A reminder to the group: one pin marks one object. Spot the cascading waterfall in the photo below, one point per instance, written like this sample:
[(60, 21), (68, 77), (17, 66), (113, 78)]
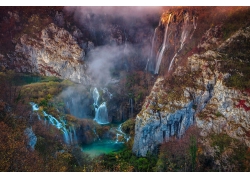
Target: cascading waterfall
[(184, 35), (72, 135), (69, 135), (97, 136), (34, 106), (159, 57), (101, 116), (105, 90), (101, 112), (119, 133)]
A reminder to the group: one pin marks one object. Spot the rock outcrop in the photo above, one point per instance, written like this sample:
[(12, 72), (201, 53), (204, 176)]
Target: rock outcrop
[(199, 95), (55, 53)]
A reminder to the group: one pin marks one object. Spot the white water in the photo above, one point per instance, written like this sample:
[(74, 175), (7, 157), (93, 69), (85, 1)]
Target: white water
[(152, 48), (121, 133), (96, 97), (34, 106), (195, 26), (101, 116), (101, 112), (69, 135), (97, 136), (159, 58), (172, 61), (184, 35), (105, 90)]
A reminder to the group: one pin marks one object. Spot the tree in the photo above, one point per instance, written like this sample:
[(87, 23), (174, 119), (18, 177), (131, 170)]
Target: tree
[(193, 151)]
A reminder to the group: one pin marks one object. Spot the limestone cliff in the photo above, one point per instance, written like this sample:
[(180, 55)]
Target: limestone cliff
[(47, 47), (54, 53), (199, 94)]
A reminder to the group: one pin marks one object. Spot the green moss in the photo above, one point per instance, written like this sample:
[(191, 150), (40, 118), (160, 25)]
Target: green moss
[(129, 126), (218, 114)]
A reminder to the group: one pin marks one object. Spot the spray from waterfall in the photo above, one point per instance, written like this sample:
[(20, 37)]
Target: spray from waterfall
[(159, 57)]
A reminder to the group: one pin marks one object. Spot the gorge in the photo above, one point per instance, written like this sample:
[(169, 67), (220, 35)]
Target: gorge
[(102, 89)]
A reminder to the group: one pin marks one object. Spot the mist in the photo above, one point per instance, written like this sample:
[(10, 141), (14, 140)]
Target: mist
[(104, 61), (127, 12), (121, 35), (77, 100)]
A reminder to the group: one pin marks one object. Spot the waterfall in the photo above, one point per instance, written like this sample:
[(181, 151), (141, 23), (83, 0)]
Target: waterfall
[(75, 136), (95, 97), (119, 132), (101, 116), (69, 135), (172, 61), (131, 107), (94, 130), (72, 134), (101, 112), (195, 26), (146, 68), (152, 47), (34, 106), (159, 57), (184, 35), (106, 91)]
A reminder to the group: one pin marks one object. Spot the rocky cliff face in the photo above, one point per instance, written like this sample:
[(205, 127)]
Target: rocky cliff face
[(175, 29), (155, 125), (199, 94), (49, 46), (55, 53)]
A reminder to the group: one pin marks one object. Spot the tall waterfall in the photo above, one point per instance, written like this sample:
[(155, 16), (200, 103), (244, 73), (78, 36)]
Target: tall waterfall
[(101, 112), (195, 25), (152, 49), (159, 57), (184, 35), (69, 133)]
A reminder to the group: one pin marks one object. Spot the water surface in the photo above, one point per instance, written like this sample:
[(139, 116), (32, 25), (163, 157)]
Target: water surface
[(102, 147)]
